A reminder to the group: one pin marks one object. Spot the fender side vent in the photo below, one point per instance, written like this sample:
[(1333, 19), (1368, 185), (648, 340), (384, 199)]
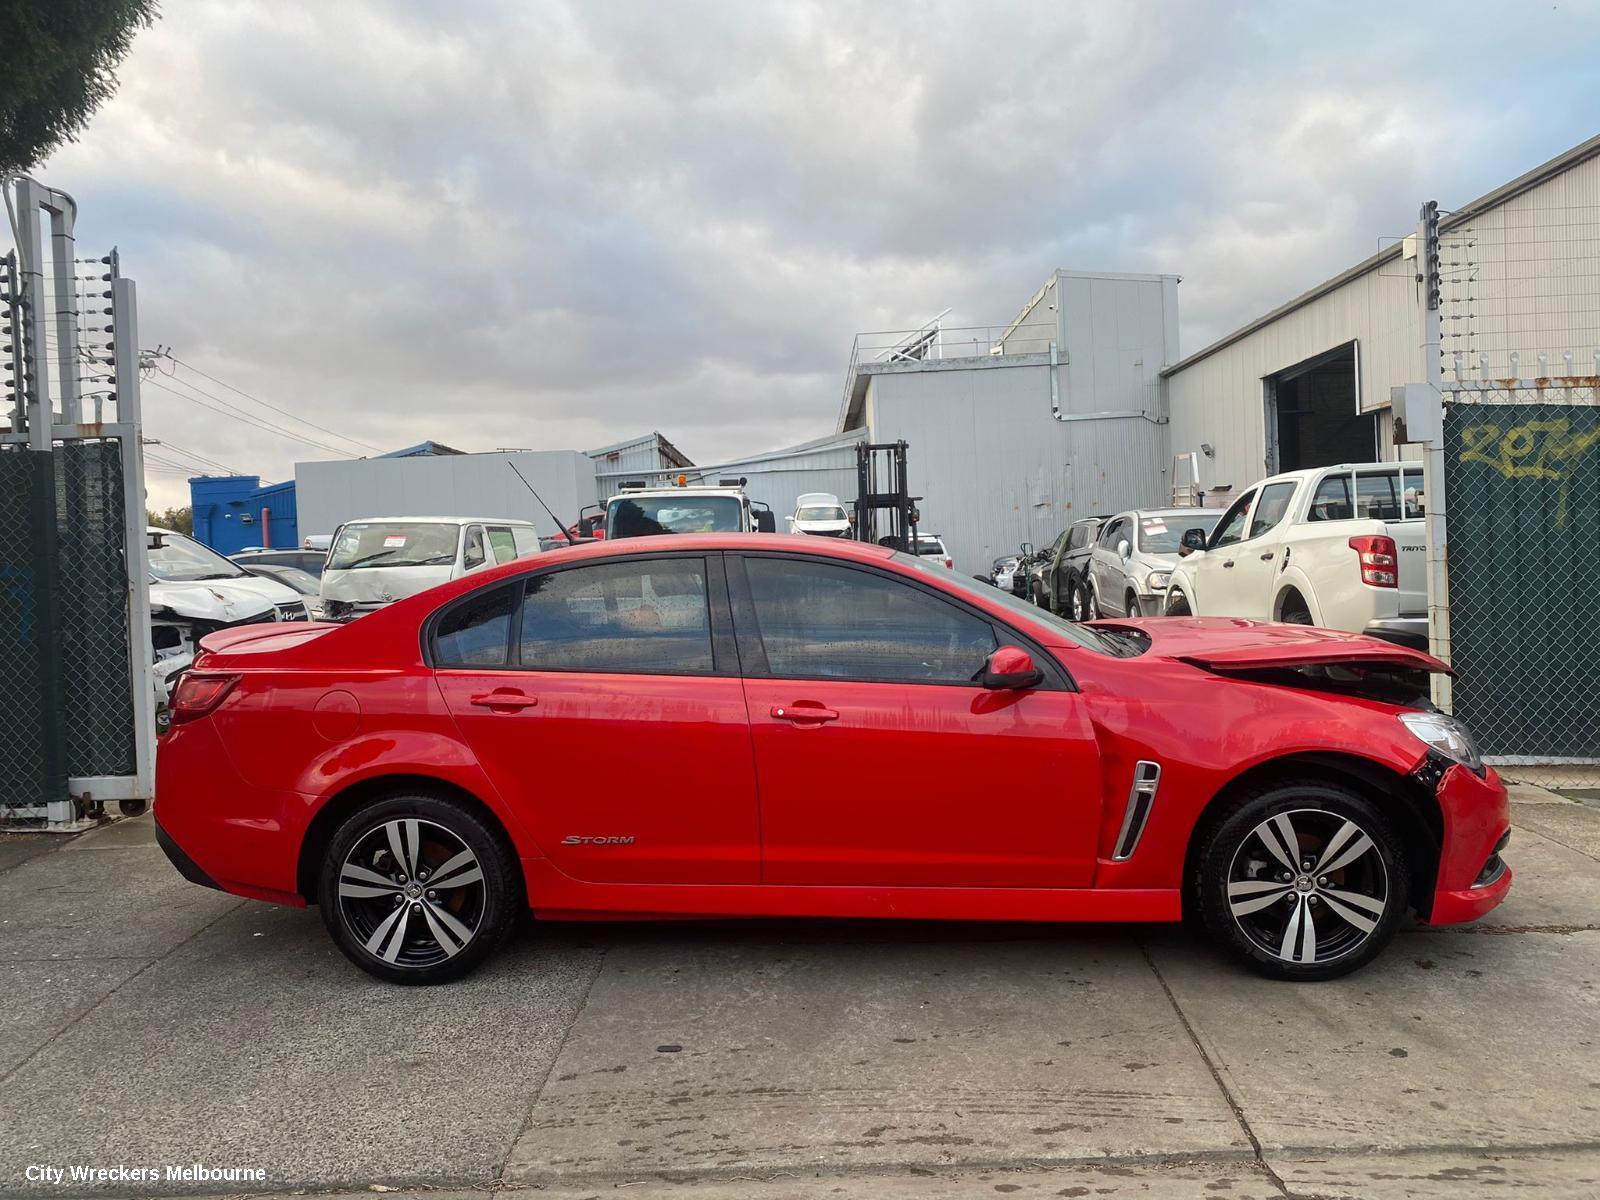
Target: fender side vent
[(1141, 798)]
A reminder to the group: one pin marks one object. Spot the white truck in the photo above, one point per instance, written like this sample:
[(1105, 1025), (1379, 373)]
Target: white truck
[(1342, 547), (640, 510)]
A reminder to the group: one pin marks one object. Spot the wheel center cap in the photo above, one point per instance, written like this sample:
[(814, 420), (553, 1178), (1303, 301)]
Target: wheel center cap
[(1304, 883), (413, 890)]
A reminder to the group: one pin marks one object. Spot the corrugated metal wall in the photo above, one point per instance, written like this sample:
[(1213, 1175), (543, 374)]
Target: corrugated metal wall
[(778, 477), (1523, 275), (470, 485)]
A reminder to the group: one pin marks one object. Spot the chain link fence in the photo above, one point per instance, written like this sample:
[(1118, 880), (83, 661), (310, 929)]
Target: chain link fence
[(1522, 493)]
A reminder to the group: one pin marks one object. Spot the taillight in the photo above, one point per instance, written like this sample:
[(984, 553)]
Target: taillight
[(950, 563), (197, 694), (1379, 560)]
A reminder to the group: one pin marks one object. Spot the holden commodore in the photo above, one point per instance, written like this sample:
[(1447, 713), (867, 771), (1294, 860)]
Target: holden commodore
[(716, 725)]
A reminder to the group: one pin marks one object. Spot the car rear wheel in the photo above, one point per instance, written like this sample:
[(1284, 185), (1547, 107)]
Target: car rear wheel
[(1295, 610), (1303, 881), (418, 889)]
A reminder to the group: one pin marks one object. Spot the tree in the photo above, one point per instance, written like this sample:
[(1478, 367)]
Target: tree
[(58, 64), (180, 520)]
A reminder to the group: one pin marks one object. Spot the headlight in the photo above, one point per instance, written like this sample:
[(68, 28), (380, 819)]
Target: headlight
[(1157, 581), (1446, 735)]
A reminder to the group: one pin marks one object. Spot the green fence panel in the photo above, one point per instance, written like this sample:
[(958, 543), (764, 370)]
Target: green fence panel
[(1522, 487), (23, 728)]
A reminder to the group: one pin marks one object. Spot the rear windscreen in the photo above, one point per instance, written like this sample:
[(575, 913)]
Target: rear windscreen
[(641, 516)]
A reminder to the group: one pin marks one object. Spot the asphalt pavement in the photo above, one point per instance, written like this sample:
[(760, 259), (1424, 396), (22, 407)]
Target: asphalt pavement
[(145, 1022)]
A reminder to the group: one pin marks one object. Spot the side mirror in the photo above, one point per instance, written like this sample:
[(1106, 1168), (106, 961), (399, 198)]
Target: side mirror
[(1124, 550), (766, 522), (1193, 539), (1010, 668)]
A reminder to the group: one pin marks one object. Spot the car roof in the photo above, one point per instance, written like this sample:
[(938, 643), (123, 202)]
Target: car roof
[(815, 496), (440, 520)]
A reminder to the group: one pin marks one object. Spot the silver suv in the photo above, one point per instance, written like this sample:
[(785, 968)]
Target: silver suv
[(1134, 556)]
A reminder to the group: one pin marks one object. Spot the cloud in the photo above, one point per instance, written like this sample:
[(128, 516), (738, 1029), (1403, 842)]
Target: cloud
[(559, 224)]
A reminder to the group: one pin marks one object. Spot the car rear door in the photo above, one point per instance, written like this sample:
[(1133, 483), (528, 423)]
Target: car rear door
[(604, 702), (876, 751)]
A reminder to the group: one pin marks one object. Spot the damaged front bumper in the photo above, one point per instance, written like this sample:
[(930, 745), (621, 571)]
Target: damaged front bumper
[(1472, 877)]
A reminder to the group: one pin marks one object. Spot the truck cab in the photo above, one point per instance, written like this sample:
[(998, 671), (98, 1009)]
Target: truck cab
[(641, 510)]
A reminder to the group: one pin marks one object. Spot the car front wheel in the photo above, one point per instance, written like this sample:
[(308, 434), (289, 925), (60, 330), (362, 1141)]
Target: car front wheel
[(1080, 602), (1303, 881), (418, 889)]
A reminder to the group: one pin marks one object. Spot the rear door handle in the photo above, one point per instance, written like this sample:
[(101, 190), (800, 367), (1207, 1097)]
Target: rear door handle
[(504, 698), (804, 712)]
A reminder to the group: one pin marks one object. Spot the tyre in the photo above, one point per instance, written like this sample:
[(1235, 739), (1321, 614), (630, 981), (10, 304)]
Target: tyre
[(1178, 605), (1092, 603), (1302, 881), (1131, 606), (1079, 602), (1295, 610), (419, 889)]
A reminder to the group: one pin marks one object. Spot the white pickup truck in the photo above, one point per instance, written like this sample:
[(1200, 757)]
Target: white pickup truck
[(1341, 547)]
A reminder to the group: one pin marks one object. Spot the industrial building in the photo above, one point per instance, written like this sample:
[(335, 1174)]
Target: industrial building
[(1083, 403)]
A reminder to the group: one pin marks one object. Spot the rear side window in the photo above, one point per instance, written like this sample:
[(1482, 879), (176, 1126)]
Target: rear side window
[(476, 632), (1376, 496), (1331, 501), (525, 539), (502, 543), (821, 621), (1079, 537), (1273, 507), (639, 617)]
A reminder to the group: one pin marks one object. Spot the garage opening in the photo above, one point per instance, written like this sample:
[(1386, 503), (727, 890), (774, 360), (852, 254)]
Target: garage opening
[(1314, 417)]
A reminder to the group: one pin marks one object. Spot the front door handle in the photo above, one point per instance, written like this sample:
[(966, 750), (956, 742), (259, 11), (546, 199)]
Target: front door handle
[(504, 699), (1267, 557), (1228, 565), (804, 712)]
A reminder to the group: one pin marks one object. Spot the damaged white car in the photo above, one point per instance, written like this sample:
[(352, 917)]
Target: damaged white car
[(195, 591)]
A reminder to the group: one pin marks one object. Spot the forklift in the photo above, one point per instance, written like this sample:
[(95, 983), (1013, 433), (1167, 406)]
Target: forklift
[(882, 487)]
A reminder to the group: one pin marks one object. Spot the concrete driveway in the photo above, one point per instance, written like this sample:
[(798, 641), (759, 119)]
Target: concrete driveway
[(146, 1022)]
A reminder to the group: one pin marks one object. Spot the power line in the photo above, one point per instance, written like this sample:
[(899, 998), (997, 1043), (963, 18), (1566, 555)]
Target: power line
[(273, 407), (240, 415)]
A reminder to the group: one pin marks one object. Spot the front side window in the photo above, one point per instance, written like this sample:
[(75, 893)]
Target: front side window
[(641, 516), (1231, 528), (476, 632), (1273, 508), (1115, 532), (474, 555), (639, 616), (394, 544), (821, 621)]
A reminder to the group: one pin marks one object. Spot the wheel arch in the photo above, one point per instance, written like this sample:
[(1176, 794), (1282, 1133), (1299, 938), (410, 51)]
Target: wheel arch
[(1292, 581), (1410, 804), (338, 807)]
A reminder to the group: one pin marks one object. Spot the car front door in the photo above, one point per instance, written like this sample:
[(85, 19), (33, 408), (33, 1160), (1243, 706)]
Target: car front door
[(876, 750), (1257, 559), (1214, 571), (604, 703)]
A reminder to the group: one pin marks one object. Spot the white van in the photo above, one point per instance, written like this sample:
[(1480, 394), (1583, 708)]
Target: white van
[(819, 513), (378, 560)]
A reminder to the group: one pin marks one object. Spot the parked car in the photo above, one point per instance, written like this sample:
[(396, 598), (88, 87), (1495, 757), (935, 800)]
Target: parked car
[(642, 510), (379, 560), (1134, 556), (291, 577), (1019, 577), (428, 772), (1065, 583), (820, 513), (1000, 574), (309, 561), (195, 591), (1343, 547), (931, 546)]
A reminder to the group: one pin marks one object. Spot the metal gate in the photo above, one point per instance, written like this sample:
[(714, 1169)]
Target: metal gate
[(1522, 483)]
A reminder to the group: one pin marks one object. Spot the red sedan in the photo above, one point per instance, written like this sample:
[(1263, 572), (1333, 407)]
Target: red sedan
[(704, 726)]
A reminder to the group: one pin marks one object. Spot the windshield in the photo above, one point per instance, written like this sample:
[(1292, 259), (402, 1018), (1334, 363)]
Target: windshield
[(394, 544), (178, 559), (1162, 533), (1118, 645), (820, 512), (641, 516)]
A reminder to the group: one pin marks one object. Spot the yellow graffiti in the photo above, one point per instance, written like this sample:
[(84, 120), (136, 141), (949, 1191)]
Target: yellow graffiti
[(1534, 450)]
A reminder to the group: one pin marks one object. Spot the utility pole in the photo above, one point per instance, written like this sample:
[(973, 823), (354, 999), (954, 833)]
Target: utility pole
[(1428, 294)]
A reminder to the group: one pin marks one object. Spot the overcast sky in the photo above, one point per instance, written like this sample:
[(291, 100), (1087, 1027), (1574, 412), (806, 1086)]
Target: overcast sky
[(555, 225)]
